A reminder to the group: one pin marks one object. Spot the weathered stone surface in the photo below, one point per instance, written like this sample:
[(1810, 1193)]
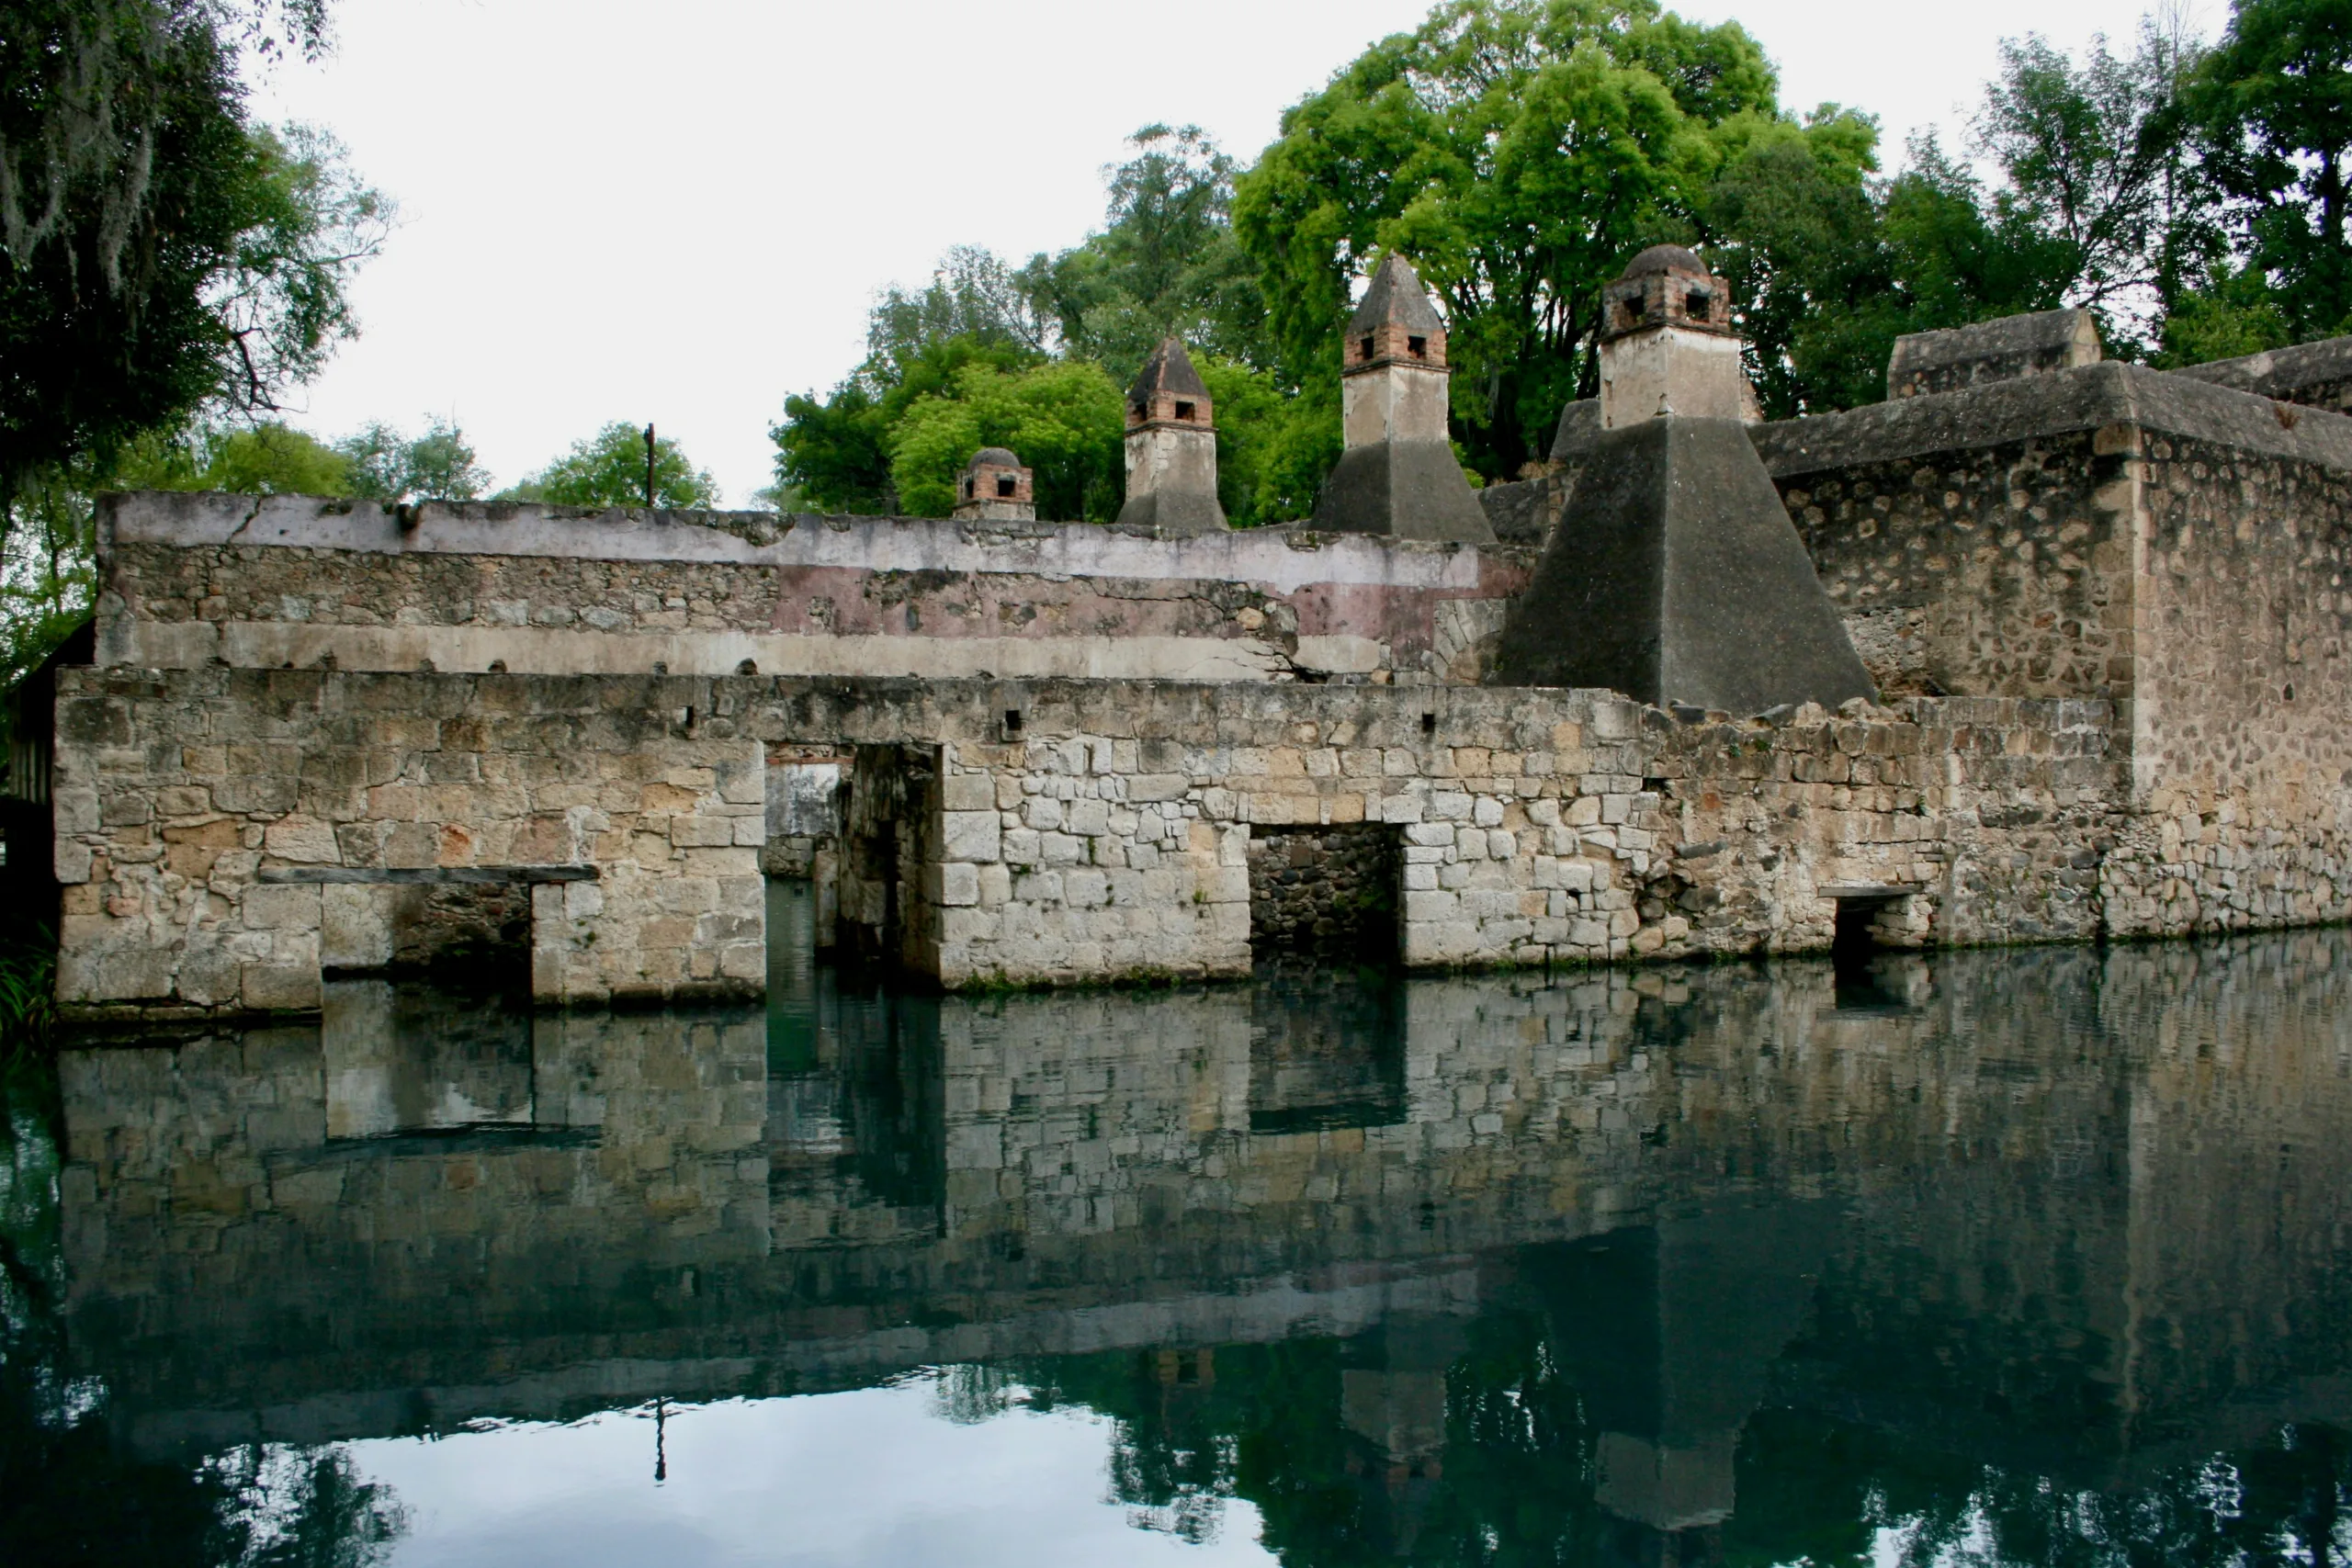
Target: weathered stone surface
[(1403, 489), (1674, 576), (536, 590), (2318, 375)]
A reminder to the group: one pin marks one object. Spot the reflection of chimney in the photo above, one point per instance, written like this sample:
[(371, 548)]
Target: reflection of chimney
[(1399, 1408), (1667, 1488)]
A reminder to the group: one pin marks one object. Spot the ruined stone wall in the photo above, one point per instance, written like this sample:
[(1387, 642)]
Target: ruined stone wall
[(224, 833), (2243, 735), (550, 590), (1077, 831), (1112, 837)]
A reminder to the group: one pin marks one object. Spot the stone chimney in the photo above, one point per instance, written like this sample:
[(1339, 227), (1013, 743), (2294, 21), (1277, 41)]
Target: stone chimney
[(1172, 448), (1398, 475), (995, 488), (1675, 575), (1668, 344)]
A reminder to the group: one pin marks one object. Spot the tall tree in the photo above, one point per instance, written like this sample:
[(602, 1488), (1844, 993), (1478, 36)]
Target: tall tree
[(2275, 106), (158, 253), (2102, 172), (1166, 262), (1519, 150)]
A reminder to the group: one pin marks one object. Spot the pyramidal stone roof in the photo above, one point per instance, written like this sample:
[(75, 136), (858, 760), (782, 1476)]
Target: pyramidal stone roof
[(1397, 297), (1169, 370)]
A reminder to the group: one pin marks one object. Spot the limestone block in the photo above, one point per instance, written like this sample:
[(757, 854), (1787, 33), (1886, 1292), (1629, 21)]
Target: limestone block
[(269, 987), (971, 836), (968, 791), (959, 883), (282, 908)]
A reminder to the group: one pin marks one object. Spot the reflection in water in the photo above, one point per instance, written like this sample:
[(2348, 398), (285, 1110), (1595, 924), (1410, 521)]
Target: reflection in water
[(2020, 1256)]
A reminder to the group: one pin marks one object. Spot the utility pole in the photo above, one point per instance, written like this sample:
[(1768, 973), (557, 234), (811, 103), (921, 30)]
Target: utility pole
[(649, 466)]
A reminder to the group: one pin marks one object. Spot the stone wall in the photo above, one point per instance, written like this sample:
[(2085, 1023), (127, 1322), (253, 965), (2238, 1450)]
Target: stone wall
[(2313, 374), (1080, 831), (222, 833), (2166, 544), (1113, 837), (2243, 728), (281, 580)]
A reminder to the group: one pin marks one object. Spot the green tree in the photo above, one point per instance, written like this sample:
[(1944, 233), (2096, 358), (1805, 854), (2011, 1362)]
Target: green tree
[(157, 252), (608, 469), (1064, 419), (1519, 150), (1794, 227), (835, 452), (2276, 118), (2102, 172), (1273, 444), (389, 466), (1166, 262)]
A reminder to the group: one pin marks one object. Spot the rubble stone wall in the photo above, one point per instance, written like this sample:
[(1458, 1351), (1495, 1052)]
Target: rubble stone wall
[(1331, 892), (2243, 732), (2002, 570)]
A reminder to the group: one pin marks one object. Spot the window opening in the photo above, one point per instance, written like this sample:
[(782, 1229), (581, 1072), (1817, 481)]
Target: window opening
[(1364, 349), (1183, 410), (1418, 347), (1006, 487), (1697, 304)]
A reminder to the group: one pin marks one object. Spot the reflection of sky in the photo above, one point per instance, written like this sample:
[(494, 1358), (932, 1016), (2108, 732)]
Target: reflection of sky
[(833, 1481)]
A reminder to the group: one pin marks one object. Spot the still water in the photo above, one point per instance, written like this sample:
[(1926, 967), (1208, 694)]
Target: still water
[(2034, 1257)]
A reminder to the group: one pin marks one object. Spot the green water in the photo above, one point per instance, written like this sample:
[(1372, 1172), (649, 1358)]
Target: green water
[(2031, 1256)]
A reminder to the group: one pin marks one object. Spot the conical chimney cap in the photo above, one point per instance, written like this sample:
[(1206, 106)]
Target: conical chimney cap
[(1397, 298)]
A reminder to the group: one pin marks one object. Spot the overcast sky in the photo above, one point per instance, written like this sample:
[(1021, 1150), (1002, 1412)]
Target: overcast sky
[(680, 212)]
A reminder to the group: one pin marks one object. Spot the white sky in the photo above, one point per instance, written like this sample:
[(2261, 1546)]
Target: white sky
[(873, 1479), (679, 213)]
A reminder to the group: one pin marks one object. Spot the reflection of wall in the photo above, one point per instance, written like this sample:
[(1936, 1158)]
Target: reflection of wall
[(2038, 1164)]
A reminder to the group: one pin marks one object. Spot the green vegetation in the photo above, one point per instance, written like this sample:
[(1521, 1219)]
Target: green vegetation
[(608, 469), (28, 994)]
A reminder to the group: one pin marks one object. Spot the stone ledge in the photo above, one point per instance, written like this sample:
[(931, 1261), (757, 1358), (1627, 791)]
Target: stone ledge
[(2056, 403)]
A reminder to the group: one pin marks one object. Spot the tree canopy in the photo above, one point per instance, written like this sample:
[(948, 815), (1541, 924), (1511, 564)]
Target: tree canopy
[(608, 469), (159, 252)]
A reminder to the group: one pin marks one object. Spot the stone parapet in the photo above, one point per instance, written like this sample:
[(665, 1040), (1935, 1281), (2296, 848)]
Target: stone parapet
[(192, 580)]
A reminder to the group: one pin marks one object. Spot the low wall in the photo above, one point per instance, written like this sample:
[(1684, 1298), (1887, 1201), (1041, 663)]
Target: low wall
[(221, 830)]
